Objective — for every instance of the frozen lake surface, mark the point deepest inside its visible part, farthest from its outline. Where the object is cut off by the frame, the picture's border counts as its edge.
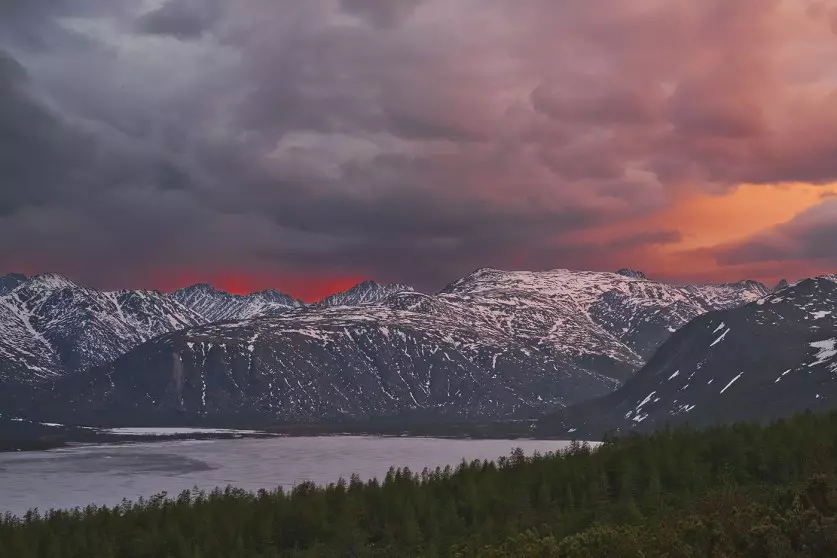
(104, 475)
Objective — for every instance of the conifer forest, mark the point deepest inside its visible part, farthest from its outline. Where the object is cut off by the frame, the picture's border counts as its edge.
(738, 490)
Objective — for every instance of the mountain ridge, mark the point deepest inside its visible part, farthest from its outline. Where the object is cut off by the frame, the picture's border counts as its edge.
(365, 292)
(53, 326)
(491, 345)
(215, 305)
(762, 361)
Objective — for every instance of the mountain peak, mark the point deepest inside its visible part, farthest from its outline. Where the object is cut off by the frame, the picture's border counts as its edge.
(272, 295)
(369, 283)
(752, 283)
(365, 292)
(50, 281)
(781, 285)
(216, 305)
(200, 287)
(484, 271)
(634, 274)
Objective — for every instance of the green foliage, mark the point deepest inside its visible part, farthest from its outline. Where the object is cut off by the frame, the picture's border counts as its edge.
(740, 490)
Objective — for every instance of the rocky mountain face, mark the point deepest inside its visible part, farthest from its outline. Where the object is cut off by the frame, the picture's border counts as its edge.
(213, 305)
(9, 281)
(623, 315)
(492, 345)
(26, 357)
(49, 326)
(363, 293)
(768, 359)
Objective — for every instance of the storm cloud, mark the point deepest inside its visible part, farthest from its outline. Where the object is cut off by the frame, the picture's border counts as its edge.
(399, 140)
(811, 235)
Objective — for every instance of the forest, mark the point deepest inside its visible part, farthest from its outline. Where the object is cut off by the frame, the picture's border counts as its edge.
(737, 490)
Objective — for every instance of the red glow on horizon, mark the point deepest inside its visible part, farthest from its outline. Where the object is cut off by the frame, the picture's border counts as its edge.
(306, 288)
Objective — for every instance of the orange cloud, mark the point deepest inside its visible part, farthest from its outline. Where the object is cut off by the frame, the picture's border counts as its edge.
(705, 220)
(710, 222)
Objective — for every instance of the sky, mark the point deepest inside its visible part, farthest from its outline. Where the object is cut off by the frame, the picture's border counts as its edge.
(306, 146)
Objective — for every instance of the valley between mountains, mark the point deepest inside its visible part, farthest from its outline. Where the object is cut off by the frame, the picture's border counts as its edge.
(492, 346)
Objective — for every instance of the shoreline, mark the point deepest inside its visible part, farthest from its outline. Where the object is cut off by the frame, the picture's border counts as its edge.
(75, 436)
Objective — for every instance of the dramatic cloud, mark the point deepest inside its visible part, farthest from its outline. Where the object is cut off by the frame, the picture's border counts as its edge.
(408, 140)
(184, 19)
(811, 235)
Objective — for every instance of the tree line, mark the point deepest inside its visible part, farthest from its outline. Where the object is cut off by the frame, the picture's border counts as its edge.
(737, 490)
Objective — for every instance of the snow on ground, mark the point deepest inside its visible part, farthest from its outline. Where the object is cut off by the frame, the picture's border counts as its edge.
(721, 338)
(827, 350)
(731, 382)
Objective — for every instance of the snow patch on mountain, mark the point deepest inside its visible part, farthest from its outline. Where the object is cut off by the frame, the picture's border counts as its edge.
(827, 350)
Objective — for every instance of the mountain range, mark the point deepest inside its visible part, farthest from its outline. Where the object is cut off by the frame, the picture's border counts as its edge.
(50, 327)
(212, 305)
(762, 361)
(492, 345)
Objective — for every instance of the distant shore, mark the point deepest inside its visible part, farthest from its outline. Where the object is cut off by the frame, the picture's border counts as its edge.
(54, 436)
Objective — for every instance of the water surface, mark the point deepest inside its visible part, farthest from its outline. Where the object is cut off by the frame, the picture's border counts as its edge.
(104, 475)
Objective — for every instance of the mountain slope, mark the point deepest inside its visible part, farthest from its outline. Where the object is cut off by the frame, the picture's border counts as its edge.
(9, 281)
(768, 359)
(493, 345)
(363, 293)
(213, 305)
(50, 326)
(25, 355)
(623, 315)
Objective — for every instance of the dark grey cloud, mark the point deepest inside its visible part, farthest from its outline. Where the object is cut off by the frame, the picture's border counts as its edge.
(812, 235)
(183, 19)
(36, 151)
(35, 25)
(381, 13)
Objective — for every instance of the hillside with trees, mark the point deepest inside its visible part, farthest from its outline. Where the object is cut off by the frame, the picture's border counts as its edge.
(739, 490)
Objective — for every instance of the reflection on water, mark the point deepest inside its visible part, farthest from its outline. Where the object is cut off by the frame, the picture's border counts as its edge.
(104, 475)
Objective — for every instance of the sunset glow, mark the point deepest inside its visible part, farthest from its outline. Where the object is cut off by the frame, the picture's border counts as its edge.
(705, 220)
(308, 289)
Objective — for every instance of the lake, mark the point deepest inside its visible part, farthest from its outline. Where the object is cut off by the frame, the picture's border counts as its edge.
(104, 475)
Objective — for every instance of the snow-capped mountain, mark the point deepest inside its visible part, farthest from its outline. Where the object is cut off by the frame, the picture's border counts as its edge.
(25, 355)
(623, 315)
(9, 281)
(768, 359)
(213, 305)
(50, 326)
(364, 293)
(494, 344)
